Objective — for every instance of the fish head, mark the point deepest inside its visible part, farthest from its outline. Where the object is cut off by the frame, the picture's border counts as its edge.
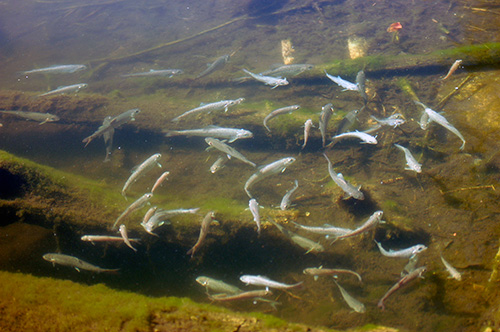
(243, 133)
(378, 214)
(122, 228)
(282, 81)
(202, 280)
(177, 71)
(49, 258)
(52, 117)
(83, 85)
(418, 249)
(157, 156)
(358, 195)
(288, 161)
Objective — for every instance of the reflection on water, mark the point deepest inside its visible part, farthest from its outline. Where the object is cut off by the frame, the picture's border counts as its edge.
(450, 206)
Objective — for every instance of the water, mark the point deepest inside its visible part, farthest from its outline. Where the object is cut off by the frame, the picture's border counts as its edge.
(451, 207)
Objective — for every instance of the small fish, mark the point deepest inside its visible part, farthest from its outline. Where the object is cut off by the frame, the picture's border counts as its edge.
(324, 118)
(240, 296)
(307, 130)
(343, 83)
(372, 222)
(393, 121)
(160, 180)
(209, 217)
(303, 242)
(451, 270)
(152, 210)
(56, 69)
(218, 286)
(217, 106)
(34, 116)
(133, 207)
(114, 123)
(321, 271)
(403, 281)
(108, 137)
(65, 89)
(360, 83)
(453, 67)
(287, 199)
(265, 281)
(287, 70)
(278, 166)
(403, 253)
(124, 234)
(347, 122)
(75, 262)
(364, 137)
(410, 266)
(433, 116)
(351, 301)
(339, 180)
(253, 205)
(412, 163)
(153, 72)
(217, 64)
(141, 170)
(268, 80)
(229, 150)
(218, 164)
(279, 111)
(230, 134)
(326, 230)
(105, 238)
(159, 217)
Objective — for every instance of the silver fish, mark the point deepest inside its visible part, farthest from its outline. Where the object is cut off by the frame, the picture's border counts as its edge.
(241, 296)
(287, 199)
(360, 82)
(133, 207)
(218, 286)
(351, 301)
(268, 80)
(303, 242)
(394, 120)
(433, 116)
(230, 134)
(326, 230)
(307, 130)
(159, 217)
(321, 271)
(339, 180)
(141, 170)
(364, 137)
(108, 137)
(34, 116)
(413, 164)
(451, 270)
(347, 122)
(229, 150)
(453, 67)
(253, 205)
(279, 111)
(56, 69)
(153, 72)
(372, 222)
(114, 123)
(217, 106)
(287, 70)
(342, 83)
(75, 262)
(324, 118)
(124, 234)
(267, 170)
(265, 281)
(160, 180)
(403, 253)
(210, 216)
(403, 281)
(65, 89)
(218, 164)
(217, 64)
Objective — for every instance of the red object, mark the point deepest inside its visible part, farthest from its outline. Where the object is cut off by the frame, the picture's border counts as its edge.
(394, 27)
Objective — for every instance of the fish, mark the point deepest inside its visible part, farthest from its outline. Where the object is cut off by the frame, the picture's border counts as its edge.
(218, 286)
(347, 122)
(240, 296)
(307, 130)
(108, 137)
(410, 266)
(104, 238)
(287, 70)
(267, 170)
(303, 242)
(364, 137)
(218, 164)
(56, 69)
(153, 72)
(403, 281)
(320, 271)
(413, 164)
(393, 121)
(159, 217)
(454, 274)
(141, 170)
(139, 203)
(351, 301)
(453, 67)
(65, 89)
(326, 230)
(229, 134)
(253, 205)
(403, 253)
(217, 64)
(324, 118)
(217, 106)
(372, 222)
(279, 111)
(124, 234)
(433, 116)
(229, 150)
(339, 180)
(114, 123)
(34, 116)
(360, 83)
(160, 180)
(343, 83)
(268, 80)
(286, 200)
(75, 262)
(209, 217)
(265, 281)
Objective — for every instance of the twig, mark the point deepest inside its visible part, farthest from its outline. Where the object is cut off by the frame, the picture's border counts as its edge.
(468, 188)
(445, 99)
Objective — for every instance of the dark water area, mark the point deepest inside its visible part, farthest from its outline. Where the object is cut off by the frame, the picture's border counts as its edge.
(451, 207)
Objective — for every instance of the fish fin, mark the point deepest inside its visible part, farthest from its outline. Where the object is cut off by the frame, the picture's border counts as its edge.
(228, 156)
(284, 169)
(340, 176)
(316, 278)
(274, 87)
(44, 121)
(159, 165)
(77, 269)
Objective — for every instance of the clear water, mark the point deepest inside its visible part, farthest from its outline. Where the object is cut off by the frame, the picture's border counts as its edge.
(451, 207)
